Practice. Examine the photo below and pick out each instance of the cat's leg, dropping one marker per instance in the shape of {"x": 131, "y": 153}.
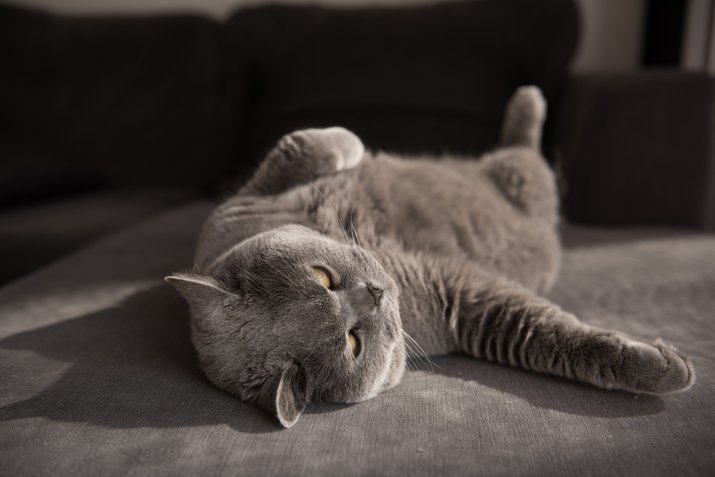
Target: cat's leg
{"x": 518, "y": 169}
{"x": 521, "y": 243}
{"x": 524, "y": 118}
{"x": 452, "y": 306}
{"x": 304, "y": 156}
{"x": 525, "y": 180}
{"x": 501, "y": 321}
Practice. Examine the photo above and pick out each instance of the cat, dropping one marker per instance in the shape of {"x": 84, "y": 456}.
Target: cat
{"x": 333, "y": 265}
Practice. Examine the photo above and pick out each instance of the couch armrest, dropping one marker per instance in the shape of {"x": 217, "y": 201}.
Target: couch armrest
{"x": 638, "y": 149}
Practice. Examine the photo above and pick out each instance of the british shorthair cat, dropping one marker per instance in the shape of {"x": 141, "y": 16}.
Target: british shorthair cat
{"x": 334, "y": 265}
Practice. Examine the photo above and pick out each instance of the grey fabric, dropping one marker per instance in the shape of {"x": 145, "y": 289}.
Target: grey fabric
{"x": 636, "y": 148}
{"x": 97, "y": 376}
{"x": 430, "y": 78}
{"x": 125, "y": 100}
{"x": 40, "y": 232}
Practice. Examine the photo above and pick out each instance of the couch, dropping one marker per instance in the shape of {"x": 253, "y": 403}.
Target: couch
{"x": 119, "y": 134}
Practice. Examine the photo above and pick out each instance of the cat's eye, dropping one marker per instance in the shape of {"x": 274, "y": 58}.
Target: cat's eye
{"x": 354, "y": 344}
{"x": 323, "y": 277}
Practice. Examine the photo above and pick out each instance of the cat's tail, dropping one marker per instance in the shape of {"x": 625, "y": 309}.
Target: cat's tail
{"x": 524, "y": 118}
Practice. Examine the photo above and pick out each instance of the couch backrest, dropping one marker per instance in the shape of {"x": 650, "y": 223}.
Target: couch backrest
{"x": 183, "y": 99}
{"x": 417, "y": 79}
{"x": 118, "y": 100}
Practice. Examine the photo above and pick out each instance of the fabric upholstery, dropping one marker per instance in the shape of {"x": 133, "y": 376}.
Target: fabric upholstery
{"x": 421, "y": 79}
{"x": 98, "y": 377}
{"x": 143, "y": 100}
{"x": 40, "y": 232}
{"x": 638, "y": 149}
{"x": 113, "y": 100}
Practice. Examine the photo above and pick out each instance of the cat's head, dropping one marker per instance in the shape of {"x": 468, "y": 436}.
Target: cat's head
{"x": 291, "y": 315}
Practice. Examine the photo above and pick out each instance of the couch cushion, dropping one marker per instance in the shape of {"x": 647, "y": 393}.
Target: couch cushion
{"x": 418, "y": 79}
{"x": 121, "y": 100}
{"x": 98, "y": 376}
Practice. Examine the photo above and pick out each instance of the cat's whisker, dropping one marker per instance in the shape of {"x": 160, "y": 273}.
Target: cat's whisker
{"x": 410, "y": 362}
{"x": 418, "y": 350}
{"x": 337, "y": 217}
{"x": 356, "y": 238}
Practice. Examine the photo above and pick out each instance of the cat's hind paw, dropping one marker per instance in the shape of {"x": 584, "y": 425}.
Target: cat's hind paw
{"x": 524, "y": 118}
{"x": 655, "y": 368}
{"x": 529, "y": 103}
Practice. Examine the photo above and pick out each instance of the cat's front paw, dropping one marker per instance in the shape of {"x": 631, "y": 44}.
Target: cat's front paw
{"x": 655, "y": 368}
{"x": 342, "y": 145}
{"x": 319, "y": 152}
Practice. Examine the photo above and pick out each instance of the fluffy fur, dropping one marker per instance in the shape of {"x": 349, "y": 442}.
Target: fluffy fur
{"x": 426, "y": 255}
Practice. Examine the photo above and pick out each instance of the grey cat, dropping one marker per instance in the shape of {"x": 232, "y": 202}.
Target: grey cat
{"x": 333, "y": 265}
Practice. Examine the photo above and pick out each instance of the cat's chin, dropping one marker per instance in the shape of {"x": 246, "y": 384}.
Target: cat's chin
{"x": 392, "y": 373}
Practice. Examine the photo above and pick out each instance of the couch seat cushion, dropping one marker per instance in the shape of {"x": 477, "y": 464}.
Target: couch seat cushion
{"x": 98, "y": 376}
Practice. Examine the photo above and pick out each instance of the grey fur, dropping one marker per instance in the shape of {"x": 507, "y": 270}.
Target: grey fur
{"x": 458, "y": 250}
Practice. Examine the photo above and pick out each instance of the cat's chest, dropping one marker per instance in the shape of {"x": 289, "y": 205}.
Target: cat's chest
{"x": 241, "y": 218}
{"x": 343, "y": 210}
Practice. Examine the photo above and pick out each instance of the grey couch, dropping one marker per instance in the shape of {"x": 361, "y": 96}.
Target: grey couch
{"x": 97, "y": 372}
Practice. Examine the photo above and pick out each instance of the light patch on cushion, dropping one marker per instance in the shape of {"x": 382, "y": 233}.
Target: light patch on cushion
{"x": 20, "y": 383}
{"x": 48, "y": 307}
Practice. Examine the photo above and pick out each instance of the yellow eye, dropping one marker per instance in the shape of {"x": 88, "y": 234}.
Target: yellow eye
{"x": 354, "y": 344}
{"x": 323, "y": 277}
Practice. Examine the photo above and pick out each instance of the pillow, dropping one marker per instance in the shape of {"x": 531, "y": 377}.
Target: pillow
{"x": 128, "y": 100}
{"x": 420, "y": 79}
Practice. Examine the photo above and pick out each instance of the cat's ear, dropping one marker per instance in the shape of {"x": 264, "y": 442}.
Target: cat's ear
{"x": 286, "y": 394}
{"x": 198, "y": 290}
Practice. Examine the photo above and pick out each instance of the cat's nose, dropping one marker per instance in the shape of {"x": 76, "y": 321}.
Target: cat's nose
{"x": 376, "y": 293}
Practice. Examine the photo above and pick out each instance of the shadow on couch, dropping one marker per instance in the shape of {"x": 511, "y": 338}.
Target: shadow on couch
{"x": 546, "y": 392}
{"x": 131, "y": 366}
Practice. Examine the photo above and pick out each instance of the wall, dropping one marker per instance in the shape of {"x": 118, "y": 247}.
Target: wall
{"x": 217, "y": 8}
{"x": 699, "y": 43}
{"x": 611, "y": 35}
{"x": 611, "y": 29}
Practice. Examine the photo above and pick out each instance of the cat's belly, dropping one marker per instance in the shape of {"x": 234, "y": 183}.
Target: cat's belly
{"x": 459, "y": 212}
{"x": 435, "y": 209}
{"x": 481, "y": 232}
